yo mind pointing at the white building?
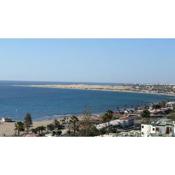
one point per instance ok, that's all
(123, 122)
(103, 125)
(170, 104)
(3, 120)
(164, 128)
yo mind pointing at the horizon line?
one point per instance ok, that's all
(143, 83)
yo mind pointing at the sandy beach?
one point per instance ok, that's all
(8, 129)
(83, 87)
(112, 88)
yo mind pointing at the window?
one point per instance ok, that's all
(167, 130)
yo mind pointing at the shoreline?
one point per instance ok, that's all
(8, 128)
(106, 88)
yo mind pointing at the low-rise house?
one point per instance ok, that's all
(103, 125)
(161, 111)
(163, 127)
(127, 121)
(122, 122)
(139, 111)
(4, 119)
(171, 104)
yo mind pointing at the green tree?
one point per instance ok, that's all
(63, 121)
(91, 131)
(50, 127)
(19, 126)
(34, 130)
(108, 116)
(28, 122)
(146, 114)
(56, 124)
(74, 124)
(86, 123)
(40, 129)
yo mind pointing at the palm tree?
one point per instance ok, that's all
(50, 127)
(146, 116)
(74, 124)
(63, 121)
(19, 126)
(40, 129)
(57, 124)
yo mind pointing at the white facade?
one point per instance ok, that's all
(3, 120)
(170, 104)
(119, 122)
(103, 125)
(157, 130)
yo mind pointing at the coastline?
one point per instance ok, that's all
(9, 128)
(107, 88)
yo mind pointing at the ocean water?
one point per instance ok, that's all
(42, 103)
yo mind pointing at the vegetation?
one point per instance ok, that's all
(28, 122)
(74, 125)
(39, 130)
(19, 127)
(159, 105)
(146, 114)
(50, 127)
(56, 133)
(56, 124)
(90, 131)
(86, 126)
(171, 115)
(115, 117)
(55, 128)
(107, 116)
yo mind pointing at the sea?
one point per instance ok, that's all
(47, 103)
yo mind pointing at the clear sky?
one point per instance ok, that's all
(88, 60)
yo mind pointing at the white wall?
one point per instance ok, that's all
(145, 130)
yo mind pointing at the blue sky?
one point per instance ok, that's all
(88, 60)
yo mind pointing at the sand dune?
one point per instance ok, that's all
(85, 87)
